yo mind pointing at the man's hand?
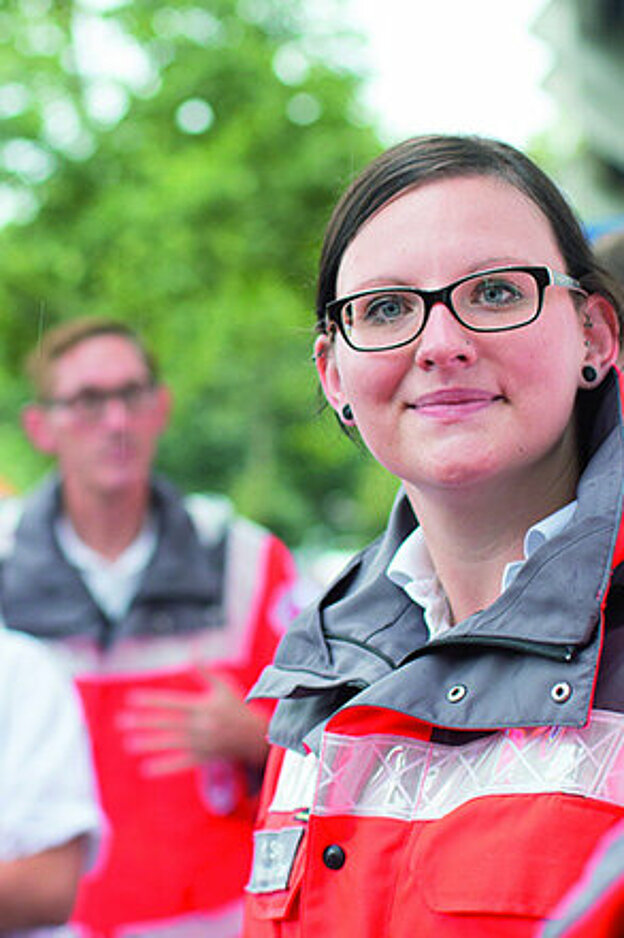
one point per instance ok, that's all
(173, 730)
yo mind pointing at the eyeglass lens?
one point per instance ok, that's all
(90, 403)
(486, 302)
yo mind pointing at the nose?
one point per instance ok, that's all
(116, 413)
(444, 342)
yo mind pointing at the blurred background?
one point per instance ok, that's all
(174, 165)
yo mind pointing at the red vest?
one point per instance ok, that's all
(175, 856)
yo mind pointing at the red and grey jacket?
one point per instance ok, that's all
(217, 592)
(595, 907)
(452, 787)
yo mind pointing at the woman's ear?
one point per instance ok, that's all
(38, 429)
(601, 331)
(329, 373)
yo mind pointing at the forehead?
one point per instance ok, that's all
(444, 229)
(100, 361)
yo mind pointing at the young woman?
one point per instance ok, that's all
(448, 745)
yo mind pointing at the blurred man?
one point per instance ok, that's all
(165, 610)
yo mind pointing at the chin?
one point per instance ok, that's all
(453, 474)
(118, 481)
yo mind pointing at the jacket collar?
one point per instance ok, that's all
(365, 626)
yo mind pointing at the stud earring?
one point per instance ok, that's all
(589, 373)
(347, 413)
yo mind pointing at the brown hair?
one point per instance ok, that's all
(421, 160)
(59, 340)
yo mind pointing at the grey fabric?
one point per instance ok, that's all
(182, 590)
(365, 643)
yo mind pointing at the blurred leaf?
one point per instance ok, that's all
(189, 196)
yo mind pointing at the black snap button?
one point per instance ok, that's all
(334, 857)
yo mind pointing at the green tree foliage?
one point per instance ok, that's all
(188, 195)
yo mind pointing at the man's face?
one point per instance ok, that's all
(106, 423)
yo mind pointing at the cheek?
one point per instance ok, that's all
(544, 362)
(375, 377)
(69, 439)
(541, 387)
(147, 433)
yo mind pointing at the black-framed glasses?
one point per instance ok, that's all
(494, 300)
(89, 404)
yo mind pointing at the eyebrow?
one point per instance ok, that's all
(98, 389)
(491, 263)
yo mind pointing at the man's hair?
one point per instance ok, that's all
(59, 340)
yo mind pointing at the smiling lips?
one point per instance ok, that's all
(454, 403)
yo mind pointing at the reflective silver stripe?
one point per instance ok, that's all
(210, 514)
(80, 655)
(393, 777)
(245, 574)
(247, 546)
(600, 884)
(296, 782)
(11, 510)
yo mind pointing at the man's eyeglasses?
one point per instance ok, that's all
(89, 404)
(489, 301)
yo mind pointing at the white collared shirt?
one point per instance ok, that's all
(112, 583)
(412, 569)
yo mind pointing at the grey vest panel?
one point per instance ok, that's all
(182, 590)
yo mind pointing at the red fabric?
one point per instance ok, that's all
(618, 554)
(168, 851)
(493, 868)
(365, 721)
(605, 920)
(171, 850)
(594, 908)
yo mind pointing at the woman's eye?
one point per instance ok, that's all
(384, 309)
(496, 293)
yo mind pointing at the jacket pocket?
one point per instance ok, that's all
(510, 855)
(277, 871)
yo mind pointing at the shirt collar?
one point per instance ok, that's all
(131, 561)
(412, 568)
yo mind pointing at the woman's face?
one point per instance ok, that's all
(457, 408)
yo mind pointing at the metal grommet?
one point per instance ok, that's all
(334, 857)
(456, 693)
(561, 692)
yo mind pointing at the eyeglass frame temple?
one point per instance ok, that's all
(563, 280)
(443, 295)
